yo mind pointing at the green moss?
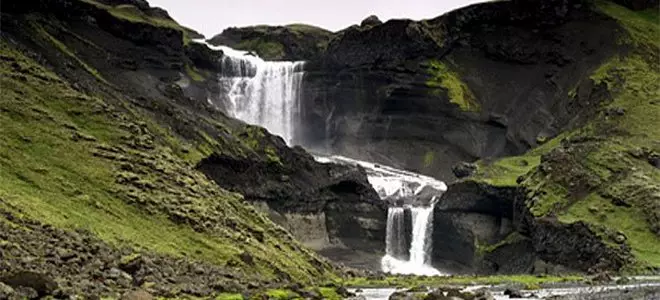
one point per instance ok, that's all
(512, 238)
(329, 293)
(642, 26)
(64, 49)
(279, 294)
(267, 50)
(194, 74)
(272, 156)
(131, 13)
(229, 296)
(429, 158)
(459, 93)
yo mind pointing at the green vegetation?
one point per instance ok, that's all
(444, 77)
(132, 13)
(194, 74)
(268, 50)
(510, 239)
(94, 162)
(415, 281)
(429, 157)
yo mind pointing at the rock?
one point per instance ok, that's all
(371, 21)
(602, 277)
(137, 295)
(464, 169)
(247, 258)
(513, 293)
(654, 160)
(42, 284)
(620, 238)
(24, 292)
(427, 195)
(6, 291)
(342, 291)
(615, 111)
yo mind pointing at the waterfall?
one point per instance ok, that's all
(420, 245)
(264, 93)
(267, 94)
(395, 244)
(408, 237)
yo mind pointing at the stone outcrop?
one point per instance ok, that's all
(291, 42)
(297, 188)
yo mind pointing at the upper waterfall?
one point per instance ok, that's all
(264, 93)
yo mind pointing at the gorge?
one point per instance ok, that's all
(280, 162)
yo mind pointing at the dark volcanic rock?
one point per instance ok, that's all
(467, 217)
(371, 21)
(291, 42)
(42, 284)
(464, 169)
(372, 95)
(354, 214)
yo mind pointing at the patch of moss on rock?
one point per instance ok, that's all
(442, 76)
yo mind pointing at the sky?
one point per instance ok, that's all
(210, 17)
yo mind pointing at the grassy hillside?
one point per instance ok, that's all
(83, 157)
(605, 173)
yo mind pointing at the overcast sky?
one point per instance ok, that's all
(210, 17)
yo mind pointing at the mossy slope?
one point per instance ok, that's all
(78, 153)
(605, 173)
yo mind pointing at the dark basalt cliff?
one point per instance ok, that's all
(484, 81)
(554, 101)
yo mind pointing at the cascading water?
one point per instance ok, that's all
(404, 254)
(264, 93)
(267, 94)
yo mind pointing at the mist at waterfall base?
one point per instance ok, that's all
(267, 94)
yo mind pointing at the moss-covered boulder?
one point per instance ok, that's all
(290, 42)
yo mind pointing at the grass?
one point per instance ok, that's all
(132, 13)
(128, 198)
(459, 93)
(194, 73)
(267, 50)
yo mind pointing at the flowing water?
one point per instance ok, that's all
(264, 93)
(267, 93)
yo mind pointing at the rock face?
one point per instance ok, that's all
(291, 42)
(295, 184)
(483, 81)
(468, 220)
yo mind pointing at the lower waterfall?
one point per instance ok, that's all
(267, 94)
(420, 246)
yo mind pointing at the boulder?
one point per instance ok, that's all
(464, 169)
(371, 21)
(42, 284)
